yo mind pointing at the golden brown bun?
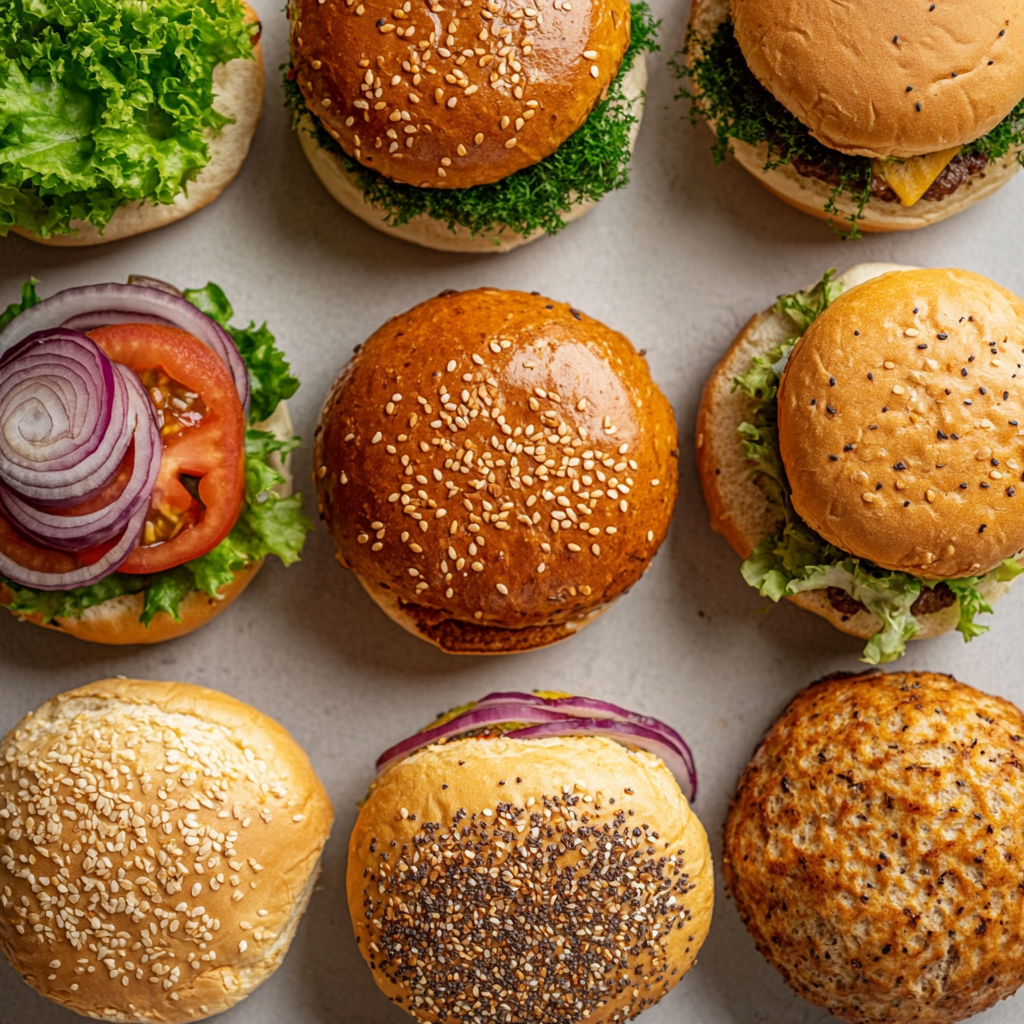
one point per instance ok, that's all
(507, 815)
(915, 343)
(888, 79)
(873, 848)
(471, 121)
(513, 542)
(165, 838)
(238, 94)
(737, 507)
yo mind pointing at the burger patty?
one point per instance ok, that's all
(960, 169)
(931, 599)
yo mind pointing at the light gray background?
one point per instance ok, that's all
(678, 262)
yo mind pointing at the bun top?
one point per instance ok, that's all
(888, 79)
(590, 847)
(901, 423)
(499, 457)
(455, 93)
(164, 834)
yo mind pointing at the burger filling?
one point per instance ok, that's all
(107, 103)
(795, 560)
(726, 92)
(593, 161)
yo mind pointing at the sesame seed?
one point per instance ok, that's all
(594, 71)
(501, 588)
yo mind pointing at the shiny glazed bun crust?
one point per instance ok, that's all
(497, 459)
(900, 423)
(888, 79)
(589, 847)
(446, 95)
(873, 848)
(165, 837)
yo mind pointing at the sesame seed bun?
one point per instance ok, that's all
(576, 839)
(238, 95)
(528, 496)
(738, 508)
(909, 456)
(873, 848)
(158, 846)
(435, 234)
(470, 121)
(887, 79)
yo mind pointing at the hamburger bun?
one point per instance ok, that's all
(899, 423)
(117, 622)
(435, 234)
(538, 820)
(496, 468)
(238, 95)
(371, 69)
(738, 508)
(169, 879)
(873, 848)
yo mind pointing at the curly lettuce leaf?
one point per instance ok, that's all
(29, 298)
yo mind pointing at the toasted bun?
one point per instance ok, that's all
(873, 848)
(165, 838)
(470, 122)
(238, 89)
(899, 426)
(431, 487)
(435, 234)
(888, 79)
(737, 507)
(559, 835)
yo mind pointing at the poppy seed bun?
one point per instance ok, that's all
(159, 843)
(899, 425)
(497, 460)
(873, 848)
(738, 508)
(562, 835)
(887, 79)
(532, 80)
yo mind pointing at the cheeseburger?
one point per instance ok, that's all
(531, 857)
(496, 468)
(861, 447)
(159, 843)
(469, 125)
(880, 117)
(873, 848)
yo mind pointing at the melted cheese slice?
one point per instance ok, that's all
(910, 179)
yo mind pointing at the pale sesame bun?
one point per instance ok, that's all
(588, 847)
(873, 848)
(158, 847)
(496, 468)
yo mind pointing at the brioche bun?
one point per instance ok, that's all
(436, 234)
(564, 816)
(738, 508)
(470, 122)
(873, 848)
(885, 80)
(899, 423)
(165, 838)
(238, 95)
(437, 499)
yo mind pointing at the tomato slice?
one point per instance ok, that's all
(29, 555)
(201, 485)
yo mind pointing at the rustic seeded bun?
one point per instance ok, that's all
(435, 234)
(932, 489)
(508, 829)
(117, 622)
(238, 89)
(873, 848)
(158, 846)
(514, 554)
(471, 121)
(888, 79)
(737, 507)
